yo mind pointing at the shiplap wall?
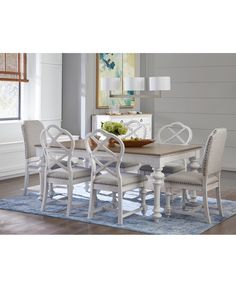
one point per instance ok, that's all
(203, 95)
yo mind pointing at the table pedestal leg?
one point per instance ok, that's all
(194, 166)
(41, 177)
(157, 177)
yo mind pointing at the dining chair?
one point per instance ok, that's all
(136, 129)
(174, 133)
(105, 177)
(31, 130)
(207, 180)
(60, 154)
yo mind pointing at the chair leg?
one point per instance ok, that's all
(26, 180)
(70, 189)
(114, 200)
(168, 195)
(219, 203)
(92, 202)
(87, 186)
(45, 195)
(51, 191)
(120, 208)
(206, 207)
(184, 198)
(143, 200)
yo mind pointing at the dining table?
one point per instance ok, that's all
(156, 155)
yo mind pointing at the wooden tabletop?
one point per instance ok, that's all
(150, 149)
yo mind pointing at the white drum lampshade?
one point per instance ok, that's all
(110, 83)
(159, 83)
(134, 83)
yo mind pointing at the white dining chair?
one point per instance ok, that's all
(207, 180)
(60, 154)
(104, 177)
(136, 129)
(31, 130)
(174, 133)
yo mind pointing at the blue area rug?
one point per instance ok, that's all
(177, 224)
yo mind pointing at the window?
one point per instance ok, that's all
(10, 93)
(13, 71)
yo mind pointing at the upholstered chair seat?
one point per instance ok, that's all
(127, 178)
(78, 172)
(189, 178)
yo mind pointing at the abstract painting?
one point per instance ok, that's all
(115, 65)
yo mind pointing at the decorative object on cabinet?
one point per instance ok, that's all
(146, 119)
(114, 66)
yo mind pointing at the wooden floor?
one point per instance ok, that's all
(22, 223)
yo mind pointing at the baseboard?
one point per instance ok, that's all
(11, 172)
(230, 169)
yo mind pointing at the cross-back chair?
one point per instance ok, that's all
(136, 129)
(60, 154)
(173, 133)
(106, 174)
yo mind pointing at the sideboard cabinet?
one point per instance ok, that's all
(144, 118)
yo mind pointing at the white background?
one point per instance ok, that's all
(119, 26)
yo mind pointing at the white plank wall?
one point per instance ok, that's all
(203, 95)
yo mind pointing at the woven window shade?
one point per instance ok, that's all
(13, 67)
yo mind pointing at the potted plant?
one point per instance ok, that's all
(114, 128)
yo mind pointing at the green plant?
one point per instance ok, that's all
(114, 127)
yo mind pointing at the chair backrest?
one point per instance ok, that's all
(136, 129)
(55, 152)
(175, 133)
(101, 155)
(214, 150)
(31, 130)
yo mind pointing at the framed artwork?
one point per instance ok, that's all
(115, 65)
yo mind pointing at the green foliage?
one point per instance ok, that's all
(114, 127)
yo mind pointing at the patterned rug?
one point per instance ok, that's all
(177, 224)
